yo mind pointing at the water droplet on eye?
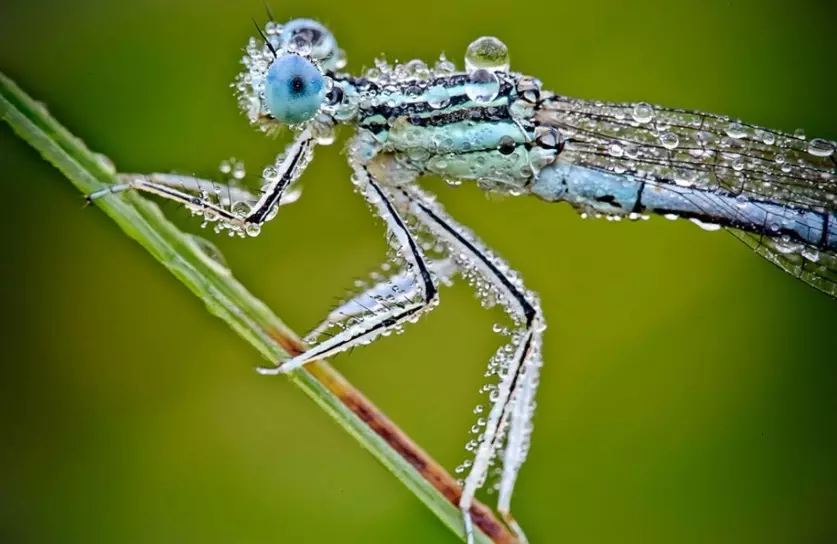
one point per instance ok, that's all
(820, 148)
(438, 97)
(768, 138)
(643, 112)
(615, 150)
(736, 130)
(300, 43)
(780, 158)
(669, 140)
(483, 86)
(487, 53)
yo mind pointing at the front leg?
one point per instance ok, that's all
(235, 210)
(374, 324)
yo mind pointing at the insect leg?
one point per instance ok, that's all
(507, 428)
(374, 324)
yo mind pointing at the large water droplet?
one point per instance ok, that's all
(643, 112)
(820, 148)
(482, 86)
(487, 53)
(669, 140)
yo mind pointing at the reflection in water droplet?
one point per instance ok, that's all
(487, 53)
(483, 86)
(820, 148)
(643, 112)
(669, 140)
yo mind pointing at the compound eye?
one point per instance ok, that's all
(294, 89)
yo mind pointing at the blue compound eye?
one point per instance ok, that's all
(294, 89)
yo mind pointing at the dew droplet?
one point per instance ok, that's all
(615, 149)
(736, 130)
(240, 208)
(669, 140)
(438, 97)
(820, 148)
(642, 112)
(488, 53)
(811, 254)
(482, 86)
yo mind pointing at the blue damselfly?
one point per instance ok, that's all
(625, 161)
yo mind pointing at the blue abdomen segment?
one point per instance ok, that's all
(612, 194)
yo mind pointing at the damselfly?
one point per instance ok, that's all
(775, 191)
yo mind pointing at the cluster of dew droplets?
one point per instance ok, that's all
(232, 174)
(383, 73)
(385, 289)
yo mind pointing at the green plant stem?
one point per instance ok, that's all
(142, 220)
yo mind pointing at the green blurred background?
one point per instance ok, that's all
(689, 387)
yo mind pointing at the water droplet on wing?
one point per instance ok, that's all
(669, 140)
(820, 148)
(642, 112)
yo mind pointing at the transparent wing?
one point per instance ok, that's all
(682, 148)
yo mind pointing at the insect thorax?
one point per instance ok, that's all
(446, 126)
